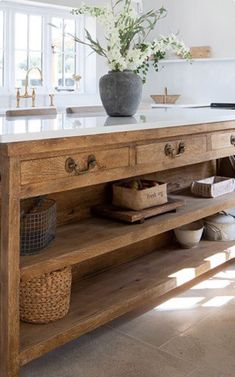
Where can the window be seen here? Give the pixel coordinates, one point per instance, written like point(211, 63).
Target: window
point(28, 40)
point(28, 47)
point(1, 48)
point(63, 53)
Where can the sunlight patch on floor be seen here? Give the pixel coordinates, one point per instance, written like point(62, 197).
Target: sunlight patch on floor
point(179, 303)
point(217, 301)
point(212, 284)
point(226, 275)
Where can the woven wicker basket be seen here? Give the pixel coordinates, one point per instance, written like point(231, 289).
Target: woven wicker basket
point(46, 298)
point(213, 186)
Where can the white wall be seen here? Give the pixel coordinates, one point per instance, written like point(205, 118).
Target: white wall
point(199, 22)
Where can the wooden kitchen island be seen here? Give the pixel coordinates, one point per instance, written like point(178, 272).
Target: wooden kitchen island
point(116, 267)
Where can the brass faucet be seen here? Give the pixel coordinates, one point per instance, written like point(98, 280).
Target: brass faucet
point(26, 94)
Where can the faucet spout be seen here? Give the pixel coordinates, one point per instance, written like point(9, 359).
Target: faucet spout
point(27, 77)
point(26, 94)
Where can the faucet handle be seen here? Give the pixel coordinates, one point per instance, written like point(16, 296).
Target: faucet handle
point(51, 96)
point(17, 97)
point(33, 97)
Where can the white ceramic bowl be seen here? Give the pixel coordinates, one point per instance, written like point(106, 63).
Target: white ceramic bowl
point(189, 235)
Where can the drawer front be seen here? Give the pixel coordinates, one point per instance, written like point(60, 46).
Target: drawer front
point(173, 153)
point(94, 162)
point(223, 140)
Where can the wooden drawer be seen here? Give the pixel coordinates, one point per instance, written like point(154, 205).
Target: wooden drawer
point(47, 169)
point(223, 140)
point(180, 152)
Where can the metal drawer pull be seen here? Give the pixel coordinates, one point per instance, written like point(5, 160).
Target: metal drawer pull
point(232, 140)
point(170, 151)
point(71, 166)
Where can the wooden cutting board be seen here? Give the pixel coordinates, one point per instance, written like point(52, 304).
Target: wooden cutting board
point(131, 217)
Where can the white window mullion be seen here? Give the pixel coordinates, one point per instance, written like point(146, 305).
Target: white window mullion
point(47, 54)
point(10, 55)
point(80, 53)
point(82, 65)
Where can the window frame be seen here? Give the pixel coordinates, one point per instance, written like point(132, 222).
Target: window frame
point(10, 8)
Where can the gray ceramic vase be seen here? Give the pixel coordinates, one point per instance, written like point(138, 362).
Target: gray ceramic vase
point(121, 93)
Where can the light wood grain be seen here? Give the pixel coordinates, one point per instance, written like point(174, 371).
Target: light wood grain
point(9, 269)
point(222, 140)
point(37, 167)
point(31, 112)
point(92, 237)
point(81, 110)
point(200, 52)
point(54, 168)
point(195, 147)
point(100, 299)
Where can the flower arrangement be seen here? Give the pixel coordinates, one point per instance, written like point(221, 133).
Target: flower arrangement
point(126, 34)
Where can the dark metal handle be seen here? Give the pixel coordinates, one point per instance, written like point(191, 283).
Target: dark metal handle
point(232, 140)
point(170, 151)
point(72, 167)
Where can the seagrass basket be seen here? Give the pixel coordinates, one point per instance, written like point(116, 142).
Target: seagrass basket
point(37, 226)
point(46, 298)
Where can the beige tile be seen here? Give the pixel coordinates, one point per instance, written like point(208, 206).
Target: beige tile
point(158, 326)
point(209, 344)
point(105, 353)
point(209, 372)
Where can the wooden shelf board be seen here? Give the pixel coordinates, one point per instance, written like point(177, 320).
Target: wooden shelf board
point(196, 60)
point(101, 298)
point(96, 236)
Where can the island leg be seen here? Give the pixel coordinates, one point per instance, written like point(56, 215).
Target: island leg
point(9, 268)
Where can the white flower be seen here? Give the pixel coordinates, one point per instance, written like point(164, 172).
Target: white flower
point(125, 33)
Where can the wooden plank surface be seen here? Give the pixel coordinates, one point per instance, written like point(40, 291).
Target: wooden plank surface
point(98, 300)
point(37, 111)
point(9, 269)
point(130, 216)
point(92, 237)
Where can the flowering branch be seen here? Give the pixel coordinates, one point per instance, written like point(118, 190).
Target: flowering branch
point(126, 35)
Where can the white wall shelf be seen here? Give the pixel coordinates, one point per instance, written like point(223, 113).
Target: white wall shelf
point(205, 60)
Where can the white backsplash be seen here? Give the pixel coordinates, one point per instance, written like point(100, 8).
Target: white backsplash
point(196, 82)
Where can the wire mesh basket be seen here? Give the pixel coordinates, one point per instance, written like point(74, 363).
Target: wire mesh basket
point(37, 226)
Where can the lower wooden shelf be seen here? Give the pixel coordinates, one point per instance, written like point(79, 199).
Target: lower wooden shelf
point(101, 298)
point(92, 237)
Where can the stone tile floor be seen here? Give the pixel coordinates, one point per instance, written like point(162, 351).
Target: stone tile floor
point(191, 335)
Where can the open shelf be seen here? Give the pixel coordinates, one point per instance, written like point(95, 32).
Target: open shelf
point(101, 298)
point(199, 60)
point(95, 236)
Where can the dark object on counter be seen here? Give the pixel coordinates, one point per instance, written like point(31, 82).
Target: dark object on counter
point(46, 298)
point(130, 216)
point(226, 166)
point(218, 105)
point(37, 226)
point(121, 93)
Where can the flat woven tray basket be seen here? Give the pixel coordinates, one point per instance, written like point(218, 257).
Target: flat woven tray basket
point(213, 186)
point(46, 298)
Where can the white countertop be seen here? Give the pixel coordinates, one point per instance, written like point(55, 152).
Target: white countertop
point(38, 128)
